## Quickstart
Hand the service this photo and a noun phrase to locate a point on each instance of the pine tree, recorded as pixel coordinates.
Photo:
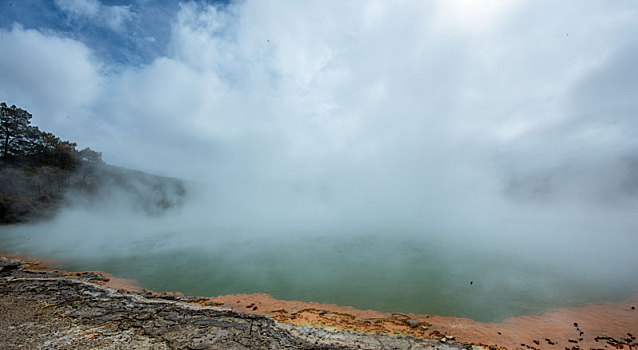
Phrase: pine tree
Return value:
(14, 130)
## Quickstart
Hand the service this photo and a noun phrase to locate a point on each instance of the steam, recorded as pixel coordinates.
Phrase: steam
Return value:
(500, 130)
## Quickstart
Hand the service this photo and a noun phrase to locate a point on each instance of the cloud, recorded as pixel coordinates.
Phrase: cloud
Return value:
(113, 17)
(53, 77)
(376, 111)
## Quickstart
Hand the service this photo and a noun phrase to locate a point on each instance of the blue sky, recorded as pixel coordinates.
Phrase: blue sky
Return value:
(120, 32)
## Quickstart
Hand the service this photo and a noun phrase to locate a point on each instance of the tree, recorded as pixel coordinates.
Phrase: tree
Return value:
(14, 131)
(23, 143)
(48, 149)
(90, 156)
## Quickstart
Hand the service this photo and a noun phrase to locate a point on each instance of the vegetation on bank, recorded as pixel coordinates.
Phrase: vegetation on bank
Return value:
(41, 173)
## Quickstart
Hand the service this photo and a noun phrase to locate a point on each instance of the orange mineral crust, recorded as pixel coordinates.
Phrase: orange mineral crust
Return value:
(592, 326)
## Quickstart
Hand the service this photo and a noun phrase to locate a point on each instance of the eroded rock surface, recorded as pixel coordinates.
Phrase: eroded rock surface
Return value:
(51, 310)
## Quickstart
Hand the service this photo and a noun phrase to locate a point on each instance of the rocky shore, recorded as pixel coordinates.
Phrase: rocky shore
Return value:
(42, 309)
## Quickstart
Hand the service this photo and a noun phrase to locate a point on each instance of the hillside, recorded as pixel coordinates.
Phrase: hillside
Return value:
(40, 174)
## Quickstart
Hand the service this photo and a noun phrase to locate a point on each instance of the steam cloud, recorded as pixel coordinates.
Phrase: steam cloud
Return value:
(503, 127)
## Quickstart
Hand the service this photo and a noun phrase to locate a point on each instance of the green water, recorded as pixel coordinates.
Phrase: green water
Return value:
(373, 271)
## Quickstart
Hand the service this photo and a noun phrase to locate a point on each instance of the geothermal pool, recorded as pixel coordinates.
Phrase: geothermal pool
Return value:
(375, 270)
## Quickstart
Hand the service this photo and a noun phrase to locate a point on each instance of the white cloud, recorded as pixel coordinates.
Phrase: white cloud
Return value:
(421, 105)
(88, 8)
(113, 17)
(53, 77)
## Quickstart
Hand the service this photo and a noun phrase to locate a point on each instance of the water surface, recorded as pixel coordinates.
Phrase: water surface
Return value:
(373, 270)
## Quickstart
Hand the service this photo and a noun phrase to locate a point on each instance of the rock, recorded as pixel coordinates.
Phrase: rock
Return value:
(621, 341)
(413, 323)
(88, 314)
(7, 266)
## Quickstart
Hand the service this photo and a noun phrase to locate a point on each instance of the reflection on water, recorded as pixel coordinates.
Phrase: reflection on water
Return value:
(372, 271)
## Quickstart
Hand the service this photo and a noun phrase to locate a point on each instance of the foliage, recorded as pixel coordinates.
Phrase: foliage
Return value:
(91, 156)
(36, 166)
(15, 131)
(39, 173)
(26, 144)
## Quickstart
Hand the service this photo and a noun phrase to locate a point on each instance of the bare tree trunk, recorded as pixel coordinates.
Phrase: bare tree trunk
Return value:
(50, 187)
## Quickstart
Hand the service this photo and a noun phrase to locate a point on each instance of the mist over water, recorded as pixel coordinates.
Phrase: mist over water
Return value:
(369, 154)
(517, 265)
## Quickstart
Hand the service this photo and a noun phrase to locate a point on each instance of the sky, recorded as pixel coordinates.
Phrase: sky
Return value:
(413, 109)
